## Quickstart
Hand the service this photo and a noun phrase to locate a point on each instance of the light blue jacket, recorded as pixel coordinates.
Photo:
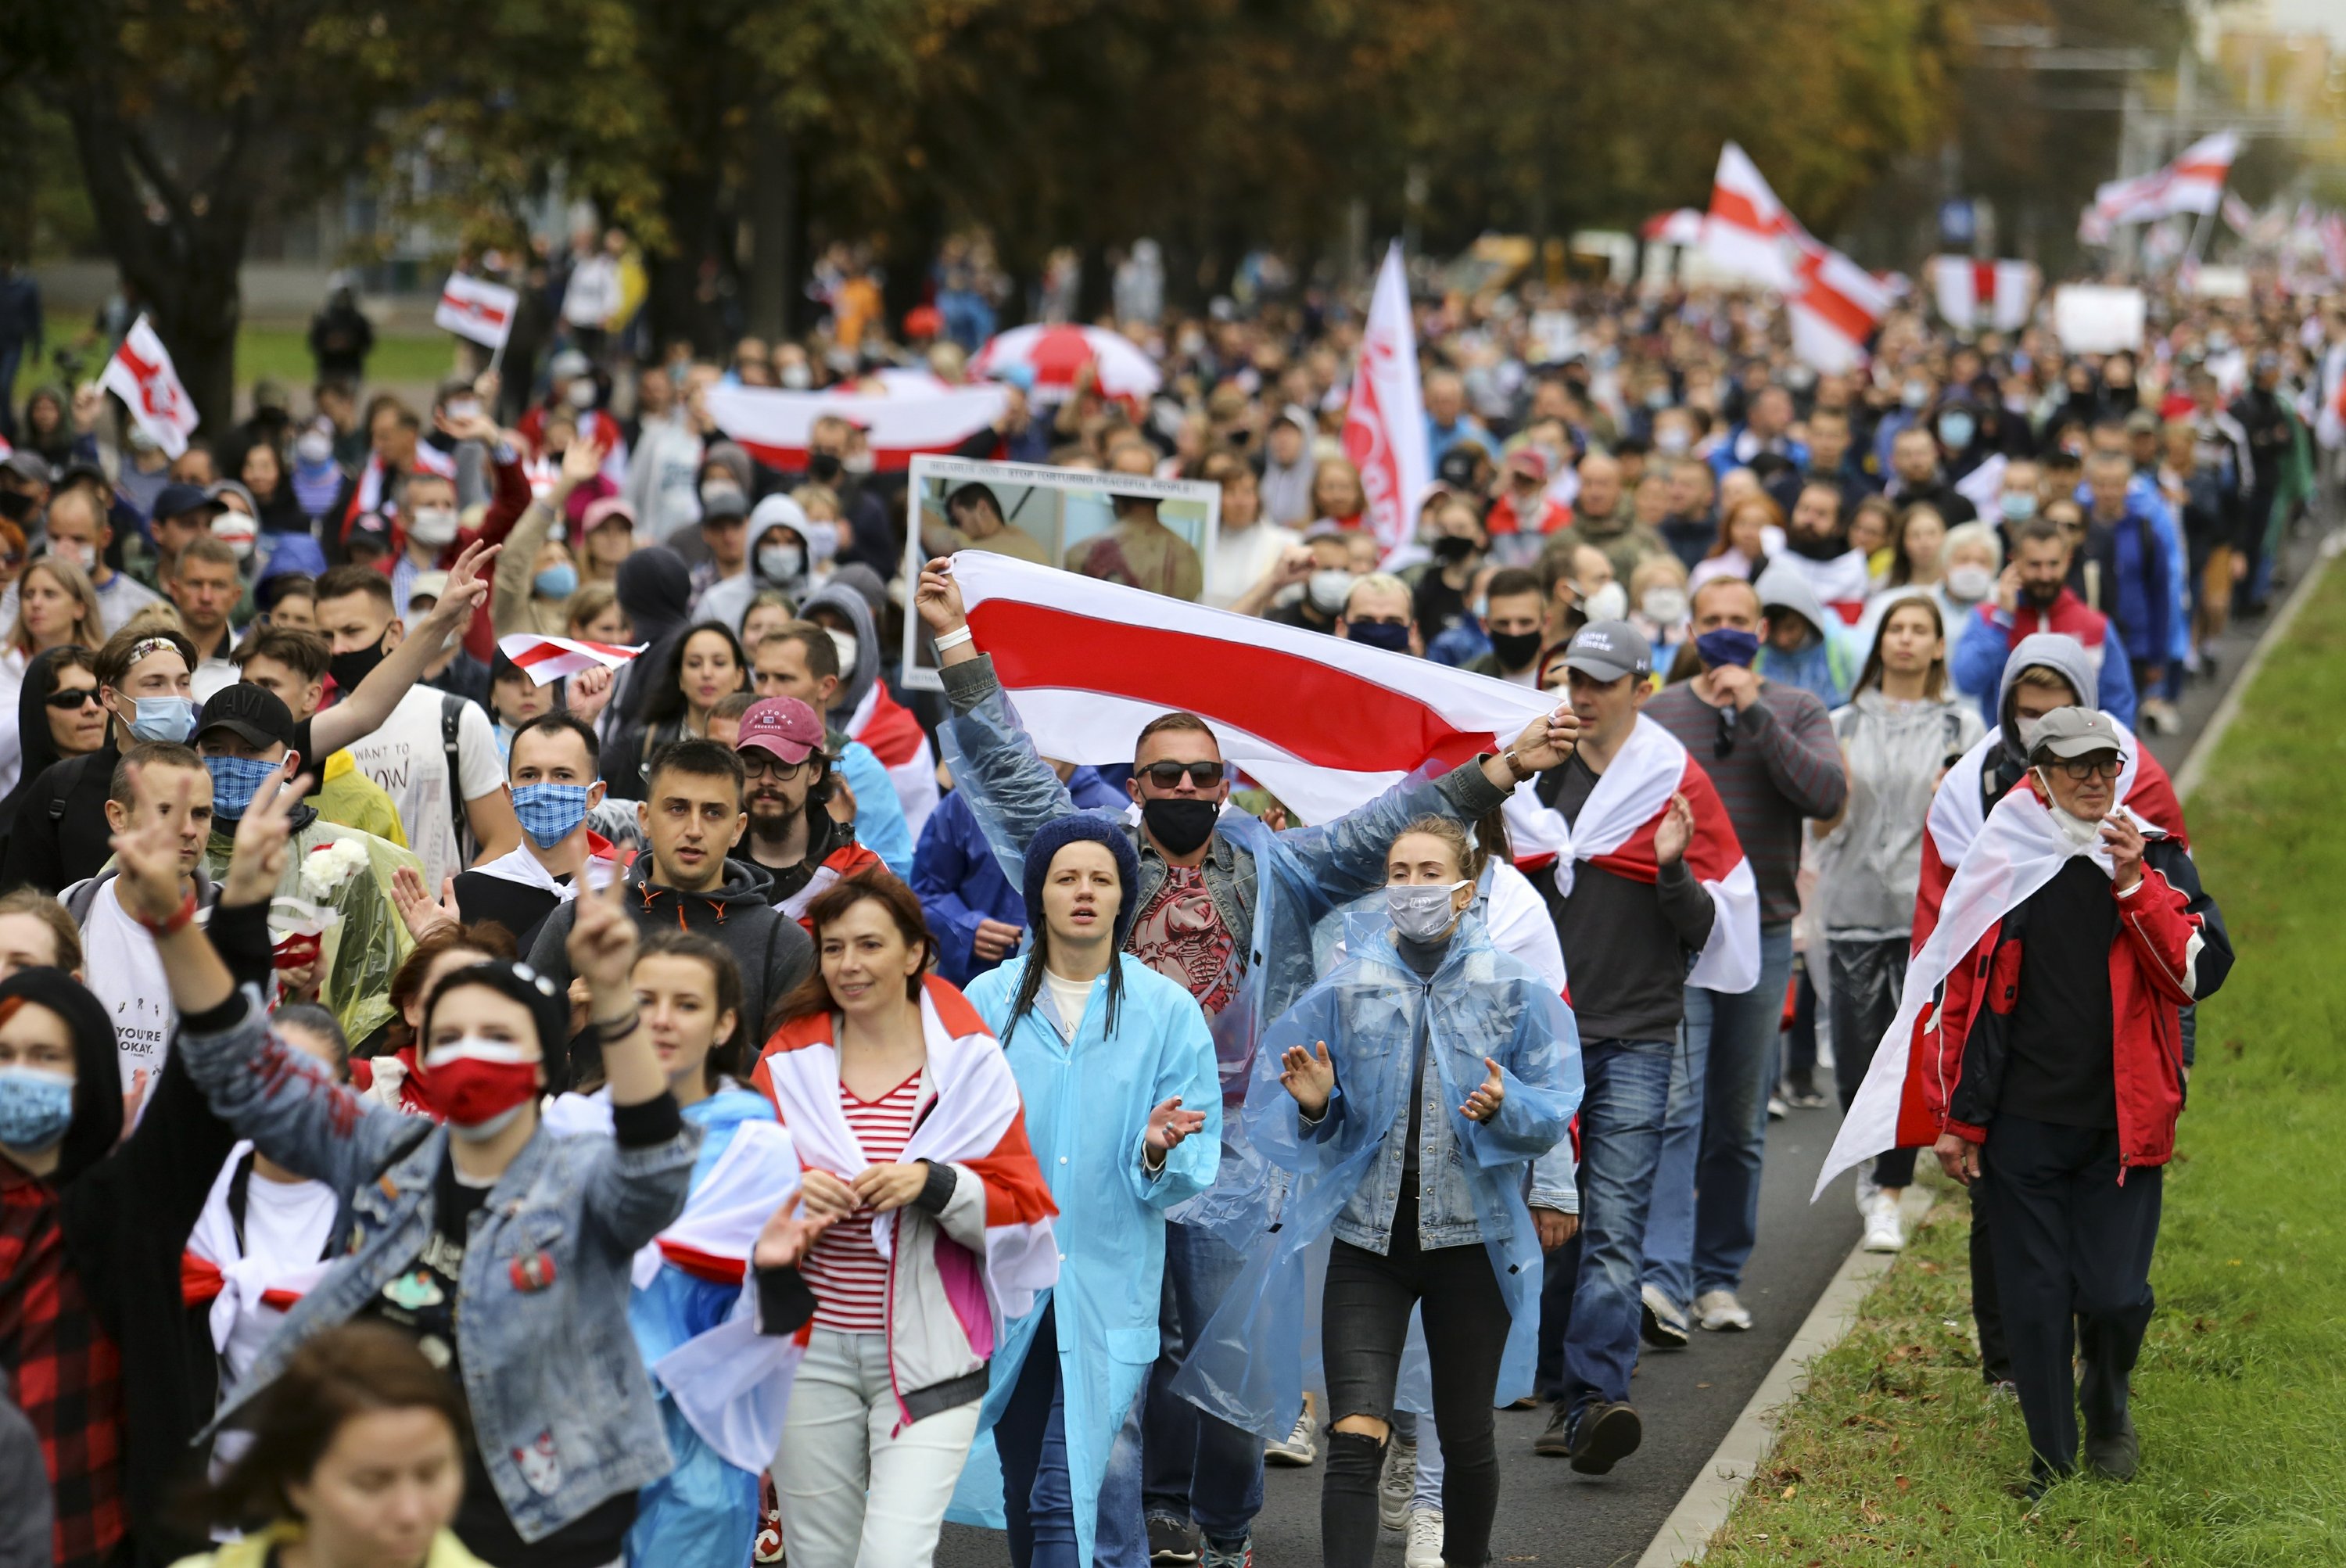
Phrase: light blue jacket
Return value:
(1246, 1366)
(697, 1515)
(879, 825)
(549, 1365)
(1087, 1105)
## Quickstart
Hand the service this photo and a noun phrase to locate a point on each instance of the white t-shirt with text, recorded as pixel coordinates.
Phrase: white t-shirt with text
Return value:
(126, 975)
(406, 759)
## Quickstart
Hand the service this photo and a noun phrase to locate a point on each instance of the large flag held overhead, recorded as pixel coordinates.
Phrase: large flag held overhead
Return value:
(140, 374)
(1748, 231)
(773, 424)
(1384, 425)
(476, 310)
(547, 659)
(1615, 831)
(1834, 309)
(2194, 182)
(1977, 296)
(1323, 723)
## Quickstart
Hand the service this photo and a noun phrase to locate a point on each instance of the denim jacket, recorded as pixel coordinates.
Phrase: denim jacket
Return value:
(562, 1407)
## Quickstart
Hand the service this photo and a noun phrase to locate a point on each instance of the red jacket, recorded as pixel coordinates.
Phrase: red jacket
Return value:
(2171, 950)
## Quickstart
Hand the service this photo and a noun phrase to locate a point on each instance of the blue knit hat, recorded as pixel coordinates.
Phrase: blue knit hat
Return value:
(1080, 828)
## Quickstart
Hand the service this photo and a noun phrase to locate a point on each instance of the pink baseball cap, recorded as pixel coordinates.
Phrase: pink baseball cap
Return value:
(783, 726)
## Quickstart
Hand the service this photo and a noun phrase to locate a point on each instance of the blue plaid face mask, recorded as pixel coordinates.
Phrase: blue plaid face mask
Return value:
(548, 812)
(235, 779)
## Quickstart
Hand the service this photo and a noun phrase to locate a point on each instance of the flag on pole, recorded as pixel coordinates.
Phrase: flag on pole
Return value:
(140, 374)
(2238, 215)
(1385, 423)
(476, 310)
(773, 426)
(2194, 182)
(1747, 228)
(1835, 307)
(548, 659)
(1323, 723)
(1975, 295)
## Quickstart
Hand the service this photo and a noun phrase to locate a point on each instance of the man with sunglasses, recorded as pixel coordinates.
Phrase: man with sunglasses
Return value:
(2062, 1052)
(792, 833)
(1198, 895)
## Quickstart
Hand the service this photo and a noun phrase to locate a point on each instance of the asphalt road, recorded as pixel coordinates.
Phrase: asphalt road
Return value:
(1689, 1399)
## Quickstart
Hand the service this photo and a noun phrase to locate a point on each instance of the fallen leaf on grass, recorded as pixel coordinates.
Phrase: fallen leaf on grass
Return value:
(1903, 1484)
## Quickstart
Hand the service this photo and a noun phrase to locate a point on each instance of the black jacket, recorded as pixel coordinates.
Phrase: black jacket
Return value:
(60, 834)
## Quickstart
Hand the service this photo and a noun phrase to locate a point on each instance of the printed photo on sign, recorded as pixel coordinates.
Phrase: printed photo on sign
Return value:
(1155, 534)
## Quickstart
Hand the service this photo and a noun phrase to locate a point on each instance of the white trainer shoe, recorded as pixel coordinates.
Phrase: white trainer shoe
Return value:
(1302, 1444)
(1422, 1546)
(1719, 1311)
(1884, 1230)
(1396, 1482)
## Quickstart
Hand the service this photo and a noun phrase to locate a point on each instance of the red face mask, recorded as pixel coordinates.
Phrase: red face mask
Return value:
(476, 1082)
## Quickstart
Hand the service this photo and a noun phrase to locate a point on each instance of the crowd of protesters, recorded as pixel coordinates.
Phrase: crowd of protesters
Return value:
(665, 1115)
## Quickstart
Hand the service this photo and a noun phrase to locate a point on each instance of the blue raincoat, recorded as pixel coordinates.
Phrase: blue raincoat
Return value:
(960, 882)
(1246, 1367)
(702, 1513)
(1087, 1107)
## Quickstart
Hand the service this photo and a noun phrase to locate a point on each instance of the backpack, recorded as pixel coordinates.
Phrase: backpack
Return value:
(452, 716)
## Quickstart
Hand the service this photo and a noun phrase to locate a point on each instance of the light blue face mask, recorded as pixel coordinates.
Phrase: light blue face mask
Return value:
(36, 1107)
(558, 581)
(169, 718)
(235, 780)
(549, 812)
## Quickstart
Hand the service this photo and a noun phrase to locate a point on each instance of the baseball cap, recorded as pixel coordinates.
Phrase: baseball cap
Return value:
(2069, 732)
(568, 365)
(719, 501)
(370, 529)
(175, 500)
(29, 466)
(222, 489)
(1531, 459)
(608, 509)
(782, 726)
(2142, 422)
(427, 586)
(253, 714)
(1609, 650)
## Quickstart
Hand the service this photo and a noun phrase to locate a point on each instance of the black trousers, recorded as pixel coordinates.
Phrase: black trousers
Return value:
(1867, 977)
(2072, 1245)
(1365, 1313)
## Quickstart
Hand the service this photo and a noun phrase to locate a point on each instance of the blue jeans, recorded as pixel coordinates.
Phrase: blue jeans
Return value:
(1195, 1466)
(1037, 1496)
(1622, 1111)
(1706, 1207)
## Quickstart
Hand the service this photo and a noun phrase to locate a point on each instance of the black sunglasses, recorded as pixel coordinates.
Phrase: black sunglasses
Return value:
(61, 701)
(1168, 775)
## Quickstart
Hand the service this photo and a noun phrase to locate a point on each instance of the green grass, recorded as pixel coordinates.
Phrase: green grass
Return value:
(283, 354)
(1893, 1454)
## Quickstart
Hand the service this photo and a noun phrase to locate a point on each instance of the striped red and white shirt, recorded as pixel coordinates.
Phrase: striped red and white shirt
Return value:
(846, 1272)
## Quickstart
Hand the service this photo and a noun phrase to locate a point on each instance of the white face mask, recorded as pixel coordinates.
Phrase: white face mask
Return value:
(432, 526)
(81, 555)
(580, 393)
(1670, 441)
(2079, 830)
(1423, 911)
(1328, 589)
(848, 648)
(1609, 602)
(314, 447)
(782, 564)
(1970, 583)
(1664, 606)
(798, 378)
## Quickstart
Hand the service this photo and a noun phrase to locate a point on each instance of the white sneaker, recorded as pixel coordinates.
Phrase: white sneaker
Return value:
(1867, 1188)
(1422, 1546)
(1720, 1312)
(1302, 1444)
(1396, 1482)
(1777, 1109)
(1884, 1231)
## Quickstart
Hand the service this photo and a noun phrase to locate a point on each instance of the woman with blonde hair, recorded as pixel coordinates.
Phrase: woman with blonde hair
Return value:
(1336, 492)
(1750, 530)
(56, 608)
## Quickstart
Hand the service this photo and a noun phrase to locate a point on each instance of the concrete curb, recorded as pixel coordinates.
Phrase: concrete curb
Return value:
(1685, 1536)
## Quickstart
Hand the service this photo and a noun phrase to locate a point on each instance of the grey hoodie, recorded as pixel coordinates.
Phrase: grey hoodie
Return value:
(2051, 650)
(728, 602)
(842, 597)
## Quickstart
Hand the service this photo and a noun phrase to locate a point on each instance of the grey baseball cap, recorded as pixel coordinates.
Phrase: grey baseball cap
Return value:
(2069, 732)
(1609, 650)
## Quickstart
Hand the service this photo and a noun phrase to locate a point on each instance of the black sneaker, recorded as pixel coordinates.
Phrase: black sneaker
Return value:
(1556, 1441)
(2115, 1456)
(1603, 1436)
(1172, 1539)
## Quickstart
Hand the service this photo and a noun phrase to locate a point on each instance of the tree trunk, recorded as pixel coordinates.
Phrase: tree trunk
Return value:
(772, 275)
(197, 319)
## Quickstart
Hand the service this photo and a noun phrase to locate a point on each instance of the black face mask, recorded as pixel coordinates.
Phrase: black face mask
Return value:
(349, 669)
(822, 467)
(1453, 550)
(1181, 825)
(1378, 635)
(1515, 651)
(14, 506)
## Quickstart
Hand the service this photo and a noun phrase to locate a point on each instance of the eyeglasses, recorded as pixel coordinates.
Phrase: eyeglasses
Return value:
(63, 701)
(2078, 769)
(781, 771)
(1168, 775)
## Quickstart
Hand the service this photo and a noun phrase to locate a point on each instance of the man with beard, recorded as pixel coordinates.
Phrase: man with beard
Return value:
(2032, 595)
(792, 834)
(1816, 546)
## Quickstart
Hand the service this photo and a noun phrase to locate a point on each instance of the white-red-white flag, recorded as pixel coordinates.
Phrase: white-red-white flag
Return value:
(1385, 423)
(476, 310)
(1679, 226)
(1747, 231)
(2194, 182)
(548, 659)
(1615, 830)
(1973, 295)
(2238, 216)
(774, 424)
(1323, 723)
(140, 374)
(1835, 307)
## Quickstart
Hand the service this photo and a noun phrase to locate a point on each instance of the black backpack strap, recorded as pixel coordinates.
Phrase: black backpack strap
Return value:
(452, 716)
(239, 1191)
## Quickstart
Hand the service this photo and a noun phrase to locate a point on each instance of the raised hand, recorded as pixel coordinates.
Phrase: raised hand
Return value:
(938, 599)
(1310, 1076)
(581, 461)
(264, 838)
(1673, 832)
(418, 910)
(149, 852)
(785, 1238)
(602, 945)
(1547, 740)
(2125, 841)
(468, 585)
(589, 693)
(1484, 1103)
(1169, 1124)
